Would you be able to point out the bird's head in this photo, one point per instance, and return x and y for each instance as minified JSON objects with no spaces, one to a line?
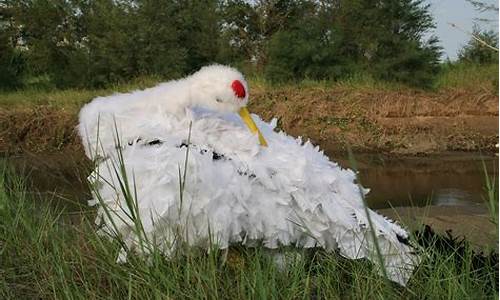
{"x":220,"y":88}
{"x":223,"y":89}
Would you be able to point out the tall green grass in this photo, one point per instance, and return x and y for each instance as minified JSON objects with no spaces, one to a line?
{"x":470,"y":77}
{"x":357,"y":81}
{"x":48,"y":252}
{"x":491,"y":191}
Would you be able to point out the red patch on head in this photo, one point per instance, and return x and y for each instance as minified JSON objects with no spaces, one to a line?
{"x":238,"y":89}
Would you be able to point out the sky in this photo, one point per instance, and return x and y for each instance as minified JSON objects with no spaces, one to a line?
{"x":461,"y":13}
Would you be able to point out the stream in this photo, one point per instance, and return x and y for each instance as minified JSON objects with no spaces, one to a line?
{"x":446,"y":179}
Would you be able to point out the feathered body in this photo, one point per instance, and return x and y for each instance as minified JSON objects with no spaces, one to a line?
{"x":235,"y":190}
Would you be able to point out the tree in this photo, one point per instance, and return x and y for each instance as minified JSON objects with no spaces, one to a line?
{"x":127,"y":39}
{"x":477,"y":51}
{"x":386,"y":39}
{"x":239,"y":28}
{"x":482,"y":7}
{"x":94,"y":43}
{"x":109,"y":33}
{"x":307,"y":46}
{"x":198,"y":26}
{"x":336,"y":38}
{"x":51,"y":33}
{"x":157,"y":39}
{"x":12,"y":62}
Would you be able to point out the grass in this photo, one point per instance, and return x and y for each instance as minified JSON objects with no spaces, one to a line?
{"x":469,"y":77}
{"x":355,"y":81}
{"x":71,"y":99}
{"x":457,"y":76}
{"x":47,"y":251}
{"x":491,"y":190}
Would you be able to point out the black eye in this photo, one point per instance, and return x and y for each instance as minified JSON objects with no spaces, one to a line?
{"x":218,"y":100}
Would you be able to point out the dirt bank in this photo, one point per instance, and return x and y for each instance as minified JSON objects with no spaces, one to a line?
{"x":472,"y":223}
{"x":405,"y":122}
{"x":399,"y":122}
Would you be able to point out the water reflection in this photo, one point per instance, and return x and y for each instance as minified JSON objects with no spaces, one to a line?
{"x":451,"y":179}
{"x":452,"y":196}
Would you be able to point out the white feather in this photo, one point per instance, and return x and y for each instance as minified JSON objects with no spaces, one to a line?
{"x":288,"y":193}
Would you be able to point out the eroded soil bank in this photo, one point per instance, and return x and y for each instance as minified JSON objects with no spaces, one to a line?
{"x":406,"y":122}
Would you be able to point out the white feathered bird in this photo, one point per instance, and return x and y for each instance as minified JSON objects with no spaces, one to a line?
{"x":241,"y":186}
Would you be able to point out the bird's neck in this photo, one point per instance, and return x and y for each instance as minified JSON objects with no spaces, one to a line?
{"x":178,"y":97}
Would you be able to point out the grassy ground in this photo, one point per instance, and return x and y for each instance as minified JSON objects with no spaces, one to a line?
{"x":47,"y":251}
{"x":70,"y":99}
{"x":469,"y":76}
{"x":475,"y":77}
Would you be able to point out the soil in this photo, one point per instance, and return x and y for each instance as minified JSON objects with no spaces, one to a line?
{"x":460,"y":222}
{"x":406,"y":122}
{"x":38,"y":129}
{"x":400,"y":122}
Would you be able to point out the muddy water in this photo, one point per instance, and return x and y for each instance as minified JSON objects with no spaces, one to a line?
{"x":447,"y":179}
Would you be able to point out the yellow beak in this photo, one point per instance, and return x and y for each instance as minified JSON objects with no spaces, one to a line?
{"x":245,"y":115}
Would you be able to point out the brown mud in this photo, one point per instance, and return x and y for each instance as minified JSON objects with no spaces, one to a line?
{"x":405,"y":122}
{"x":460,"y":222}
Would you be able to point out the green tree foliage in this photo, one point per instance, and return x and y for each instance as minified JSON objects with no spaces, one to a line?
{"x":112,"y":53}
{"x":129,"y":39}
{"x":51,"y":32}
{"x":239,"y":27}
{"x":308,"y":46}
{"x":387,"y":39}
{"x":156,"y":40}
{"x":197,"y":22}
{"x":479,"y":48}
{"x":81,"y":43}
{"x":11,"y":59}
{"x":331,"y":39}
{"x":94,"y":43}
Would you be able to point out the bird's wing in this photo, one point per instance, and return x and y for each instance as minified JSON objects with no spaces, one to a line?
{"x":324,"y":200}
{"x":129,"y":116}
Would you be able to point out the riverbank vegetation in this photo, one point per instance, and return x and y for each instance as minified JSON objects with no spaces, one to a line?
{"x":453,"y":76}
